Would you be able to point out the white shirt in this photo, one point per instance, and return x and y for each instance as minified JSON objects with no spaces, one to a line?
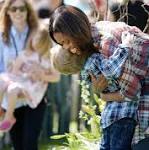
{"x":8,"y":53}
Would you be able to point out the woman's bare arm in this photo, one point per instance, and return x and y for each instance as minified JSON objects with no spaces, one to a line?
{"x":114,"y":96}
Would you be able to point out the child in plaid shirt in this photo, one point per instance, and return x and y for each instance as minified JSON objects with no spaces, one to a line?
{"x":68,"y":63}
{"x":80,"y":38}
{"x":95,"y":64}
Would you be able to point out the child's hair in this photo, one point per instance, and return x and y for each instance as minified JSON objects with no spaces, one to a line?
{"x":66,"y":62}
{"x":43,"y":42}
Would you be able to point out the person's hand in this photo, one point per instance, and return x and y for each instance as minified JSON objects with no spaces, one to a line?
{"x":98,"y":84}
{"x":32,"y":76}
{"x":127,"y":39}
{"x":103,"y":96}
{"x":36,"y":72}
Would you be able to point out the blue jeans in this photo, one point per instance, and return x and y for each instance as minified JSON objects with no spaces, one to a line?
{"x":142,"y":145}
{"x":118,"y":136}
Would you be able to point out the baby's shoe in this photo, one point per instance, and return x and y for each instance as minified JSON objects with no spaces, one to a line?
{"x":6,"y":125}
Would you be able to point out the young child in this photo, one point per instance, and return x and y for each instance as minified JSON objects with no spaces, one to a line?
{"x":104,"y":36}
{"x":96,"y":64}
{"x":69,"y":63}
{"x":66,"y":62}
{"x":27,"y":78}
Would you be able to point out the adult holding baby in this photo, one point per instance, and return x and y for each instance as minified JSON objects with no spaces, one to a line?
{"x":18,"y":21}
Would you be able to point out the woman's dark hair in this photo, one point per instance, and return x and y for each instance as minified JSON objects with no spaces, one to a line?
{"x":72,"y":22}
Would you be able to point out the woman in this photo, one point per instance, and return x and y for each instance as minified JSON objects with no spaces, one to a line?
{"x":70,"y":28}
{"x":17,"y":22}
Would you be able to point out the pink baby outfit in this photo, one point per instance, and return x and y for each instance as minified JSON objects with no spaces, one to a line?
{"x":34,"y":90}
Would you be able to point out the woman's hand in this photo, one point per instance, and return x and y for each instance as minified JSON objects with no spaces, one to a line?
{"x":104,"y":96}
{"x":114,"y":96}
{"x":98,"y":84}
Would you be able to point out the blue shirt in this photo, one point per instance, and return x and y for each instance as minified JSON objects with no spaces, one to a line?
{"x":111,"y":68}
{"x":9,"y":52}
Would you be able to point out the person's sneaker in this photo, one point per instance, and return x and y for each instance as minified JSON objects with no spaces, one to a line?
{"x":6,"y":125}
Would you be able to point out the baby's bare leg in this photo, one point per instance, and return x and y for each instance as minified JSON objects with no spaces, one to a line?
{"x":13,"y":93}
{"x":3,"y":89}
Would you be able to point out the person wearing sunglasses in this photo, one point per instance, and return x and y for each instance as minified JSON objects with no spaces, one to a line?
{"x":18,"y":21}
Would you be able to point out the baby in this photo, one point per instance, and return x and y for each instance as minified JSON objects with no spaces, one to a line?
{"x":27,"y":78}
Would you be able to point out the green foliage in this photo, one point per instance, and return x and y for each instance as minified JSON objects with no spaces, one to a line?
{"x":88,"y":140}
{"x":76,"y":141}
{"x":91,"y":103}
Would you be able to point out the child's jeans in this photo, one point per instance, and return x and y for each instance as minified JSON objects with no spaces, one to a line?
{"x":118,"y":136}
{"x":142,"y":145}
{"x":147,"y":132}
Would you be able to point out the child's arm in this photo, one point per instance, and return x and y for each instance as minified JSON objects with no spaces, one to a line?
{"x":43,"y":74}
{"x":17,"y":64}
{"x":50,"y":75}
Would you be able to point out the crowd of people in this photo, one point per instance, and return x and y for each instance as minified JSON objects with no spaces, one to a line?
{"x":111,"y":56}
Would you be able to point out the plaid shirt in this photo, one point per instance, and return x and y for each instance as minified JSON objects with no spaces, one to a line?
{"x":93,"y":66}
{"x":143,"y":112}
{"x":113,"y":110}
{"x":110,"y":68}
{"x":130,"y":83}
{"x":136,"y":66}
{"x":108,"y":43}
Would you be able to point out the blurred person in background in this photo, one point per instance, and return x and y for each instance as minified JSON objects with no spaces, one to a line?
{"x":44,"y":8}
{"x":17,"y":22}
{"x":133,"y":12}
{"x":58,"y":96}
{"x":1,"y":3}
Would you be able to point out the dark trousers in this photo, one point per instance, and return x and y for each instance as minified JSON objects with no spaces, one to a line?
{"x":142,"y":145}
{"x":25,"y":132}
{"x":118,"y":136}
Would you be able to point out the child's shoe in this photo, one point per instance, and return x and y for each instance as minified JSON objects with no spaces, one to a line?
{"x":6,"y":125}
